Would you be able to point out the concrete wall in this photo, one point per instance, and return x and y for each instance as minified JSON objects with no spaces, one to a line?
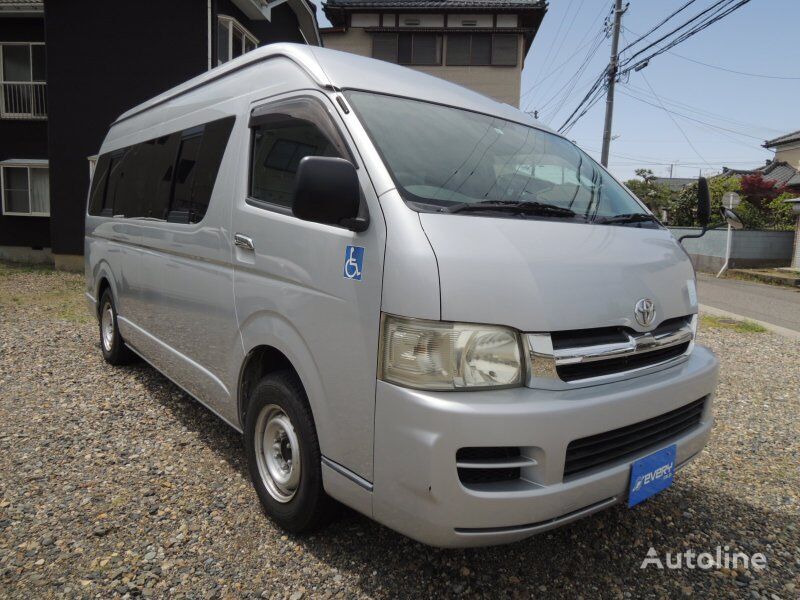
{"x":749,"y":249}
{"x":796,"y":257}
{"x":500,"y":83}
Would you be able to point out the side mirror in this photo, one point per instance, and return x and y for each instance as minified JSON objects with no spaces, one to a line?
{"x":703,"y":202}
{"x":731,"y":218}
{"x":326,"y":191}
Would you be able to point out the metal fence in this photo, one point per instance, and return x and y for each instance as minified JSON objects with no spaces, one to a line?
{"x":23,"y":100}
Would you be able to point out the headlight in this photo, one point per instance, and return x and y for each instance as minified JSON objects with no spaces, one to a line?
{"x":433,"y":355}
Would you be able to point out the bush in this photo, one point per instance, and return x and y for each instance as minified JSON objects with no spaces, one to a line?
{"x":762,"y":209}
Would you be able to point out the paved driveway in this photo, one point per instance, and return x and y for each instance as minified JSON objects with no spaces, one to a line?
{"x":773,"y":304}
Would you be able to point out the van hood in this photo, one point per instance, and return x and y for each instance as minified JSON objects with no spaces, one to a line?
{"x":545,"y":275}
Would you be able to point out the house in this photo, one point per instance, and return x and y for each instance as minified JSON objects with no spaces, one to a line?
{"x":675,"y":184}
{"x":480,"y":44}
{"x":57,"y":98}
{"x":781,"y":172}
{"x":787,"y":148}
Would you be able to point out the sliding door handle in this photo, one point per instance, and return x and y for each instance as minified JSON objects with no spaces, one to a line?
{"x":243,"y":241}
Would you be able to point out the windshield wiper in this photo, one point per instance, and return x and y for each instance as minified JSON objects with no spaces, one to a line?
{"x":626,"y":218}
{"x":529,"y":208}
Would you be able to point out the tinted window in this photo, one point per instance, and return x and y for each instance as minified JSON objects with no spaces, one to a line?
{"x":132,"y":179}
{"x":99,"y":180}
{"x":115,"y":178}
{"x":278,"y":147}
{"x":181,"y":208}
{"x":215,"y":139}
{"x":170,"y":177}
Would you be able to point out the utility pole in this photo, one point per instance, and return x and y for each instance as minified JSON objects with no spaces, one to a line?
{"x":612,"y":78}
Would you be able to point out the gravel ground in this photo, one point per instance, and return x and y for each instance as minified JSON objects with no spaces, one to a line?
{"x":115,"y":483}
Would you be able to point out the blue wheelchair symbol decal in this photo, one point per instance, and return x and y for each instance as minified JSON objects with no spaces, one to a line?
{"x":353,"y":262}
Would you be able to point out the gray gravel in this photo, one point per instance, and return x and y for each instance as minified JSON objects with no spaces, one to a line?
{"x":115,"y":483}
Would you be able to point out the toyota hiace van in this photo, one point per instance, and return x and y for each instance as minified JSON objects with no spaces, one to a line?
{"x":409,"y":298}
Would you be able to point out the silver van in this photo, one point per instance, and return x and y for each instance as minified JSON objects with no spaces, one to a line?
{"x":409,"y":298}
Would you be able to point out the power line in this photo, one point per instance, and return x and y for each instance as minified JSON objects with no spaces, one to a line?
{"x":710,"y":20}
{"x":683,"y":133}
{"x":691,"y":118}
{"x":683,"y":25}
{"x":732,"y":70}
{"x":570,"y":84}
{"x":703,"y":113}
{"x":718,"y":11}
{"x":664,"y":21}
{"x":581,"y":46}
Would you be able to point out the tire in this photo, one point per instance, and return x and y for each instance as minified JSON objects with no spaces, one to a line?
{"x":115,"y":352}
{"x":290,"y":491}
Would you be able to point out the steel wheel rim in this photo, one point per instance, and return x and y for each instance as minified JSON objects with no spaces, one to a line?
{"x":107,"y":327}
{"x":277,"y":453}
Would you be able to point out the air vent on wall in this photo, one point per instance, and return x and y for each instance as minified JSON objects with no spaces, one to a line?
{"x":469,"y":22}
{"x":411,"y":21}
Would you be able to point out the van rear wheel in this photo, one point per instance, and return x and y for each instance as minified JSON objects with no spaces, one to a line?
{"x":115,"y":351}
{"x":283,"y":454}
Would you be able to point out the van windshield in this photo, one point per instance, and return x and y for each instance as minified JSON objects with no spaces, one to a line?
{"x":446,"y":159}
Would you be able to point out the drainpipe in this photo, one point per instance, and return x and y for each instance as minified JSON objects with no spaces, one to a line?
{"x":727,"y":253}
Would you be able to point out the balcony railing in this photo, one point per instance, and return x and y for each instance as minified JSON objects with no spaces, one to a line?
{"x":23,"y":100}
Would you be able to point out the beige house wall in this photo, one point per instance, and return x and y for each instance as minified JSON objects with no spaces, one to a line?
{"x":789,"y":154}
{"x":500,"y":83}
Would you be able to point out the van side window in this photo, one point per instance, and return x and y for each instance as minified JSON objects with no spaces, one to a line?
{"x":99,"y":180}
{"x":170,"y":177}
{"x":115,"y":178}
{"x":181,"y":208}
{"x":278,"y":147}
{"x":196,"y":169}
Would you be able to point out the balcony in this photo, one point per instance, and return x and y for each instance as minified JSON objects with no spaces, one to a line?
{"x":23,"y":100}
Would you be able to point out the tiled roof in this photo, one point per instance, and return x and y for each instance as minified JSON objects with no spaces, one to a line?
{"x":22,"y":7}
{"x":675,"y":184}
{"x":437,"y":4}
{"x":780,"y":172}
{"x":783,"y":139}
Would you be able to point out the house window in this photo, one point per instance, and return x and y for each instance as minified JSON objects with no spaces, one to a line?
{"x":480,"y":49}
{"x":23,"y":81}
{"x":233,"y":39}
{"x":408,"y":48}
{"x":26,"y":190}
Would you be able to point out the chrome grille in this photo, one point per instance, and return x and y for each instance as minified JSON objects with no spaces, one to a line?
{"x":580,"y":355}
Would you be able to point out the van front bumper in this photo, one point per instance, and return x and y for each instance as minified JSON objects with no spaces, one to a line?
{"x":417,"y":490}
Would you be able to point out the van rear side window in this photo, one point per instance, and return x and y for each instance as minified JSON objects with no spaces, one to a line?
{"x":168,"y":178}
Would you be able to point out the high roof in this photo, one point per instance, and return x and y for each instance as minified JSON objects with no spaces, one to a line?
{"x":443,"y":5}
{"x":787,"y":138}
{"x":332,"y":69}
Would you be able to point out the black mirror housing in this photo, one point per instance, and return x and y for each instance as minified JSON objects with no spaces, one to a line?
{"x":731,"y":218}
{"x":703,"y":202}
{"x":327,"y":191}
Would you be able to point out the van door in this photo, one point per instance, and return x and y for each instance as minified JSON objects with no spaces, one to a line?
{"x":187,"y":315}
{"x":312,"y":291}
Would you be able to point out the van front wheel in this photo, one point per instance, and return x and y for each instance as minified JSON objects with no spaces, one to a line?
{"x":283,"y":454}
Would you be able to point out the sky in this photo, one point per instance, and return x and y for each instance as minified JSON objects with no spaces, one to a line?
{"x":723,"y":117}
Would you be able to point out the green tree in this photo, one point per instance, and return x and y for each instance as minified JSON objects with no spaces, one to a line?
{"x":683,"y":209}
{"x":655,"y":196}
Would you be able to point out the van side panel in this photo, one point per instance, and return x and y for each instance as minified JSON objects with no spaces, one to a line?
{"x":293,"y":288}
